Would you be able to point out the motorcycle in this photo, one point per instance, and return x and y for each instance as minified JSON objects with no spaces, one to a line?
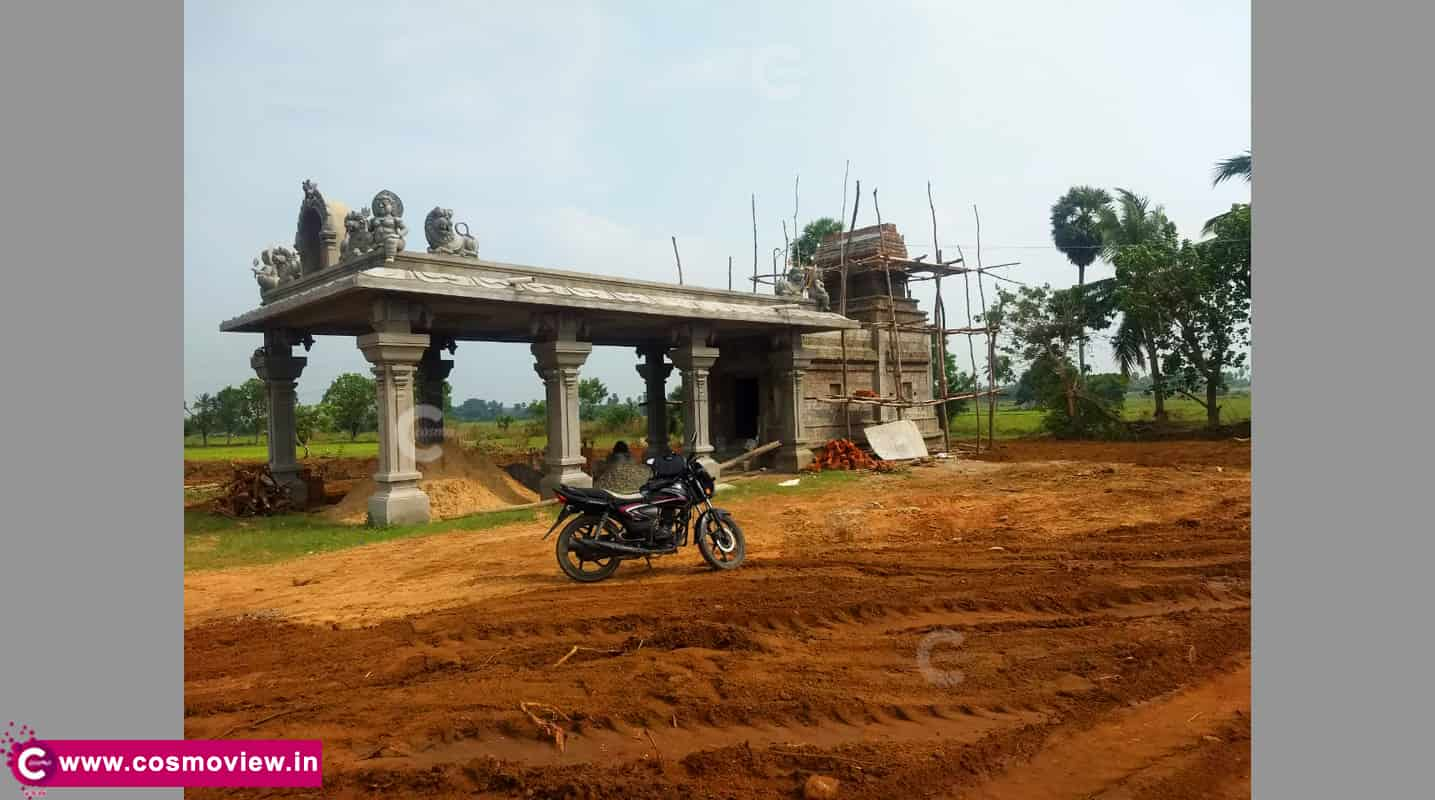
{"x":609,"y":528}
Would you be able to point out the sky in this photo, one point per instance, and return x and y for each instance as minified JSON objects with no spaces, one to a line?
{"x":582,"y":135}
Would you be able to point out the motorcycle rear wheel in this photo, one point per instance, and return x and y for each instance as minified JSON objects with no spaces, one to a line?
{"x":720,"y":541}
{"x":573,"y":565}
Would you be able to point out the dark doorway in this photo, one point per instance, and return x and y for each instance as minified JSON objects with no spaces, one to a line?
{"x":745,"y":408}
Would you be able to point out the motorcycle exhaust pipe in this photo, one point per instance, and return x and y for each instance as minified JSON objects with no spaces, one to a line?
{"x":613,"y":548}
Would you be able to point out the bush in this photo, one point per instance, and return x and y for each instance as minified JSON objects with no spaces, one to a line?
{"x":1098,"y":410}
{"x":618,"y":416}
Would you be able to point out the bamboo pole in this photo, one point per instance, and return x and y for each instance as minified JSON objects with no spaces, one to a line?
{"x":679,"y":259}
{"x":754,"y":243}
{"x":856,"y":202}
{"x":971,"y":350}
{"x":891,"y":307}
{"x":729,"y":273}
{"x":939,"y":311}
{"x":991,"y":341}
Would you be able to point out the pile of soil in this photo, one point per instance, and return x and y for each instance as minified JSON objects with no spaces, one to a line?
{"x":461,"y":482}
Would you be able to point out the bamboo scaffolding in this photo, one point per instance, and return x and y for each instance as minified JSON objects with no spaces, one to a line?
{"x":991,"y":338}
{"x":856,"y":203}
{"x":888,"y":402}
{"x":933,"y":270}
{"x":892,"y":307}
{"x":754,"y":243}
{"x":940,"y":332}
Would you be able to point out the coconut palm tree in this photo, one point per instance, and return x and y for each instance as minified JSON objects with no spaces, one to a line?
{"x":1076,"y":228}
{"x":1238,"y":166}
{"x":1234,"y":167}
{"x":1135,"y":223}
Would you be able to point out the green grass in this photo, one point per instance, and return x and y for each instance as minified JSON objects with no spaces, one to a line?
{"x":215,"y":542}
{"x":1015,"y":423}
{"x":260,"y":452}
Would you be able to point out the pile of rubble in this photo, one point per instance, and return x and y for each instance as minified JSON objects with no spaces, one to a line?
{"x":253,"y":492}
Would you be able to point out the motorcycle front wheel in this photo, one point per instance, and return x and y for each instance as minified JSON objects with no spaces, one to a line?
{"x":573,"y":563}
{"x":720,"y":541}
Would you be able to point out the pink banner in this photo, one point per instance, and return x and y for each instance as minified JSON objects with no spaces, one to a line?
{"x":156,"y":763}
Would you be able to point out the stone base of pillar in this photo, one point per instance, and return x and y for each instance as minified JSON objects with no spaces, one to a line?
{"x":297,"y":489}
{"x":399,"y":502}
{"x":570,"y":474}
{"x":792,"y":457}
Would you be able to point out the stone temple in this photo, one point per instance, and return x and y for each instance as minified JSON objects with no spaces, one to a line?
{"x":753,"y":366}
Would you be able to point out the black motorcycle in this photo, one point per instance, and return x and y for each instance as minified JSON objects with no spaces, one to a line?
{"x":611,"y":528}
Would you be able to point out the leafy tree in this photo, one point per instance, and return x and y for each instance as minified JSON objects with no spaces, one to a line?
{"x":1209,"y":308}
{"x":256,"y":405}
{"x":591,"y":393}
{"x":352,"y":403}
{"x":619,"y":416}
{"x":308,"y":421}
{"x":203,"y":416}
{"x":231,"y":407}
{"x":1231,"y":245}
{"x":812,"y":235}
{"x":504,"y":421}
{"x":1077,"y":230}
{"x":538,"y":409}
{"x":1043,"y":324}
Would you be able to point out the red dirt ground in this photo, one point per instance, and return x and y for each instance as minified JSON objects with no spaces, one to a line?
{"x":1101,"y":593}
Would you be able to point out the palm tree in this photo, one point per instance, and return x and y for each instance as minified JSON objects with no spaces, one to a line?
{"x":1133,"y":222}
{"x":1076,"y":228}
{"x":1136,"y":223}
{"x":1234,"y":167}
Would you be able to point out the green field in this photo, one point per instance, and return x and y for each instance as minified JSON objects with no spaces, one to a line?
{"x":521,"y":436}
{"x":1014,"y":423}
{"x":524,"y":435}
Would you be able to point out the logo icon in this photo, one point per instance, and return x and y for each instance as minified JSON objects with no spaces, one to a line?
{"x":944,"y":678}
{"x":30,"y":760}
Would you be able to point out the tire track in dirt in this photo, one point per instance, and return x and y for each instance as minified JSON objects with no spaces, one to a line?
{"x":1134,"y":746}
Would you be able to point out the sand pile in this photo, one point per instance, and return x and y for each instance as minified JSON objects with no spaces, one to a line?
{"x":462,"y":481}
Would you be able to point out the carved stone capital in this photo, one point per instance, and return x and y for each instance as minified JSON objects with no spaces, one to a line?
{"x":382,"y":347}
{"x":560,"y":354}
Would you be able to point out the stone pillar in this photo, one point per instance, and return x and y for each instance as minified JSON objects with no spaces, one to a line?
{"x":433,"y":371}
{"x":394,"y":352}
{"x":694,"y":358}
{"x":789,"y":366}
{"x":655,"y":375}
{"x":558,"y":360}
{"x":275,"y":364}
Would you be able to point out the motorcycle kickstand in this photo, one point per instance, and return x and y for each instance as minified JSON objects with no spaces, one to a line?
{"x":649,"y":559}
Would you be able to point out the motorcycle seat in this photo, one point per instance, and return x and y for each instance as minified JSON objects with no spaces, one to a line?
{"x":600,"y":495}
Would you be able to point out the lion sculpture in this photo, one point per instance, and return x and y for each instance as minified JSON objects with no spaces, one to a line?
{"x":445,"y":237}
{"x":357,"y":239}
{"x":280,"y":265}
